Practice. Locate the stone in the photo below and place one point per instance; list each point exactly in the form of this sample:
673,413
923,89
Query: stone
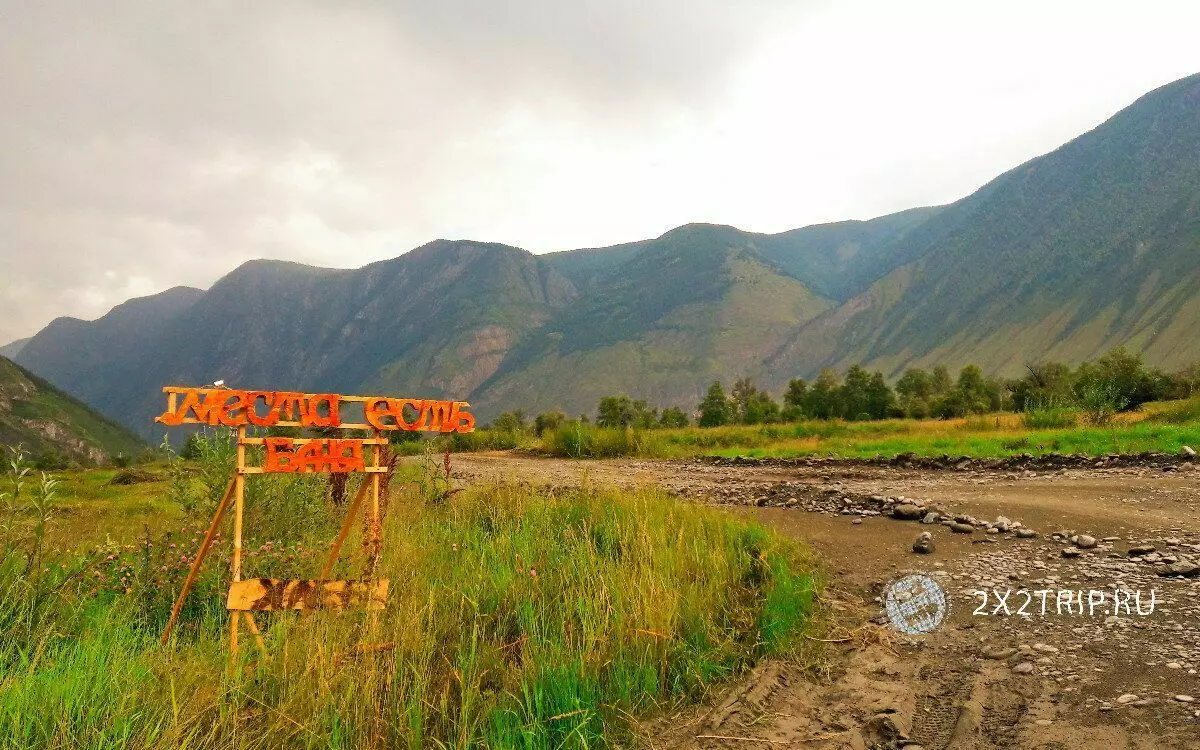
906,512
1083,541
1000,654
932,517
1128,698
1026,533
1180,568
923,544
1141,549
1071,552
962,528
1185,698
1023,668
1045,648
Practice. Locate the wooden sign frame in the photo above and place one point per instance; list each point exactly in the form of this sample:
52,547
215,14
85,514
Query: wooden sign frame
234,408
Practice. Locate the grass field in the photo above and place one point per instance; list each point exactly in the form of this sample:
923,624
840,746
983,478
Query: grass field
517,618
1164,427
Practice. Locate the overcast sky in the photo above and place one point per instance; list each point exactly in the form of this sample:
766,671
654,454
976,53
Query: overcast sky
145,145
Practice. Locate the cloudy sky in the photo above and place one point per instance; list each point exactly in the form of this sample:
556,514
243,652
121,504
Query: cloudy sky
145,145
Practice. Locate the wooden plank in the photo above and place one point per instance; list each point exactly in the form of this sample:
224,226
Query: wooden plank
367,470
287,423
239,493
274,594
198,560
305,441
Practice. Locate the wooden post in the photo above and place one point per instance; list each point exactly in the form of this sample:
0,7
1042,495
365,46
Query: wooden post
376,522
258,639
239,492
198,560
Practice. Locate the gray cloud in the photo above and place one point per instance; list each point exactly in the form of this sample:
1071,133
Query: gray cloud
146,144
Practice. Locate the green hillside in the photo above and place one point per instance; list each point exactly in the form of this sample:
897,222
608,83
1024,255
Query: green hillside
1094,245
695,304
44,420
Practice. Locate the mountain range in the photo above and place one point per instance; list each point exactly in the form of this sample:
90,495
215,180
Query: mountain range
1093,245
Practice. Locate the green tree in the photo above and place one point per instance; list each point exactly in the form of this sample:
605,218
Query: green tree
622,411
822,401
794,400
762,409
673,417
974,390
547,421
880,398
741,398
940,382
510,421
855,393
914,389
714,409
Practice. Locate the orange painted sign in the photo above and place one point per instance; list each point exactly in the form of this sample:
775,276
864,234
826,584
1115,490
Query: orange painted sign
327,455
239,408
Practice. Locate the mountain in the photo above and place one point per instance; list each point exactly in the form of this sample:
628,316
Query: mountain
698,303
12,348
1093,245
435,321
43,419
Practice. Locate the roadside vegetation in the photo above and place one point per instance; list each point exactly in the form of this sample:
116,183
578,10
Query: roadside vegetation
1113,405
516,618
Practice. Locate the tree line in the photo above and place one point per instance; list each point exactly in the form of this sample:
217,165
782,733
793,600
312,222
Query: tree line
1117,381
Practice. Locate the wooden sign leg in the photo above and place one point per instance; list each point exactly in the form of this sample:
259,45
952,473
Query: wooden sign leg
239,492
258,639
198,560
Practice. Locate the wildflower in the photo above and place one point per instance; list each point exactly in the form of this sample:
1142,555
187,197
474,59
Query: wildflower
533,572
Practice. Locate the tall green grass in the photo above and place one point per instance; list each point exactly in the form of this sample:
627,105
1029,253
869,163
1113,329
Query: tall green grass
516,618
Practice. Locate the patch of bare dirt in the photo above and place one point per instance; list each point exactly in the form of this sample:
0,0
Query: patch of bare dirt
989,677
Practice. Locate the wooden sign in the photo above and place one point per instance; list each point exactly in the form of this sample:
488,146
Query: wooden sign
274,594
227,407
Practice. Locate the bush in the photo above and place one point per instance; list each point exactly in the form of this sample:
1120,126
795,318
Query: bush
133,476
1050,417
578,440
1100,401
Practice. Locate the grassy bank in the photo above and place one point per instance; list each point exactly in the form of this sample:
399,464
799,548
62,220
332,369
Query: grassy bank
1163,427
517,618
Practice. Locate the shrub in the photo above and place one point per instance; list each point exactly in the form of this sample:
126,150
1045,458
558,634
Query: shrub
1050,416
1099,402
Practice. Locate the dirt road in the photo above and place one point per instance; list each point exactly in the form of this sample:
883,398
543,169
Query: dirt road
1078,673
